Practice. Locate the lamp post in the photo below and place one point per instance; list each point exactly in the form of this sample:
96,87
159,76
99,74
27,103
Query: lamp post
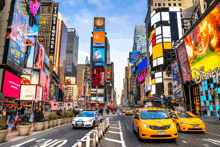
161,100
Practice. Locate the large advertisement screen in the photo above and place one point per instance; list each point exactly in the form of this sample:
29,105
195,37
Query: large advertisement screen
176,77
203,45
39,57
43,77
63,53
29,52
184,63
99,22
35,77
109,73
46,90
12,85
98,38
98,77
34,7
98,57
28,92
70,80
17,33
142,70
133,56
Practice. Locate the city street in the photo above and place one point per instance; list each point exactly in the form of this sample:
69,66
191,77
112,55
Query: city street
189,139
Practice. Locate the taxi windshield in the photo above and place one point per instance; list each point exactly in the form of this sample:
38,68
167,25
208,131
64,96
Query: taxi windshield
128,109
184,115
154,114
87,114
167,111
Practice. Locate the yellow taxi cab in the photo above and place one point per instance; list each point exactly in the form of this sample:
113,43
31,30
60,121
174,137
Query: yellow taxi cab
168,110
153,123
128,111
186,121
124,109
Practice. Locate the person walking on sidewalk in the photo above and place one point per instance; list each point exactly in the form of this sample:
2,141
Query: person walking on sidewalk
219,113
205,113
200,113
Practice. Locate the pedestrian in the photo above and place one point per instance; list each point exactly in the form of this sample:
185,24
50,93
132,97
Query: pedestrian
22,110
200,113
101,111
205,113
219,113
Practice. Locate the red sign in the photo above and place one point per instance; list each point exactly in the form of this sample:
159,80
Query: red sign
98,77
12,85
184,63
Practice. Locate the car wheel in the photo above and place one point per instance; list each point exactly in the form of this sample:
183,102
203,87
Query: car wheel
73,128
178,127
93,126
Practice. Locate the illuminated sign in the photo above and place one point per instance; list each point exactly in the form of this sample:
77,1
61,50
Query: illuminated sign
176,77
99,37
98,30
133,56
98,57
98,77
99,22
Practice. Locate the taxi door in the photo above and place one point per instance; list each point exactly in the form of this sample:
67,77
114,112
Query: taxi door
174,117
136,120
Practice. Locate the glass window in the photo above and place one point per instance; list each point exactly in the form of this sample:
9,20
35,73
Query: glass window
159,4
163,4
155,4
180,5
154,114
170,89
169,4
184,115
48,10
174,4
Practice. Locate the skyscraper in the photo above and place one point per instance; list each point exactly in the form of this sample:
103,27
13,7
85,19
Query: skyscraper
139,37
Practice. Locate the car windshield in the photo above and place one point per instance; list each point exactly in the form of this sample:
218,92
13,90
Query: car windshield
154,114
167,111
128,109
184,115
87,114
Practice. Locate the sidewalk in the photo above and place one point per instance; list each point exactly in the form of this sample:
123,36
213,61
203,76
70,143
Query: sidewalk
210,119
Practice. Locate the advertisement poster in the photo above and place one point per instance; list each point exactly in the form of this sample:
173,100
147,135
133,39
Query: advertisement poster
133,56
70,80
12,85
99,37
46,59
25,79
34,7
29,52
203,44
46,90
17,33
98,77
35,77
63,53
176,77
39,57
28,92
142,70
99,22
42,79
184,63
109,73
98,56
39,93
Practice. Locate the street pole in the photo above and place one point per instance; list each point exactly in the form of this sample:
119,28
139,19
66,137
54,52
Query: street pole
32,104
161,101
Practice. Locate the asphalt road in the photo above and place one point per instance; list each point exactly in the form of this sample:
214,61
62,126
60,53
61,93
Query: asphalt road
63,136
122,124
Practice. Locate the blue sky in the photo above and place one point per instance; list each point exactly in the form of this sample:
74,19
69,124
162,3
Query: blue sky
121,16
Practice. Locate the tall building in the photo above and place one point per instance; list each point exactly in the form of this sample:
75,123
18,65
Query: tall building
139,37
108,50
72,53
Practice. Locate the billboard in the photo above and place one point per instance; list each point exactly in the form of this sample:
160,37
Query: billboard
70,80
142,70
109,73
53,29
43,77
46,59
34,7
46,90
184,63
29,52
98,56
176,77
39,57
98,77
17,33
133,68
99,37
63,53
99,22
25,79
203,45
133,56
35,77
28,92
12,85
39,93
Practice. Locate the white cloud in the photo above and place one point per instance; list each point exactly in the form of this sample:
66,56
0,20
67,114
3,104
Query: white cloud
82,57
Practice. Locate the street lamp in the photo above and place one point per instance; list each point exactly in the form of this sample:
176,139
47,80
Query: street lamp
161,100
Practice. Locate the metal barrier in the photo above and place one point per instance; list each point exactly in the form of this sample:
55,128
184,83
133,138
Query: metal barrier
79,143
87,140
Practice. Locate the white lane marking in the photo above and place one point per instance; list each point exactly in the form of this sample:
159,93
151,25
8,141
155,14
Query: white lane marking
213,133
18,145
56,143
64,142
218,141
114,132
75,145
113,140
128,126
114,128
211,140
206,145
121,134
184,141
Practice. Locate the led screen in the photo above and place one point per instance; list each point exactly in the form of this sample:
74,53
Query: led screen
70,80
99,37
35,77
203,45
17,33
28,92
29,52
109,73
99,22
133,56
39,57
34,7
176,77
98,77
12,85
142,70
133,69
98,56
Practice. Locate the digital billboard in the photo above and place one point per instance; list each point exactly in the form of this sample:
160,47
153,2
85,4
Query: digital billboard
133,68
46,59
98,56
28,92
25,79
43,77
184,63
99,37
63,53
12,85
70,80
35,77
99,22
17,33
133,56
29,52
46,90
39,57
142,70
98,77
176,77
203,45
34,7
109,73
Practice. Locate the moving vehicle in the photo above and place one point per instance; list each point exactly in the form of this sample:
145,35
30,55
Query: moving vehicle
186,121
123,110
168,110
128,111
151,123
87,119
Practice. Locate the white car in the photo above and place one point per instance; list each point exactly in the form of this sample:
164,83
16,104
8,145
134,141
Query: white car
86,119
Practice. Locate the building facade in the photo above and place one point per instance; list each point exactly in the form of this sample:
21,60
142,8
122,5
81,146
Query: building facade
139,37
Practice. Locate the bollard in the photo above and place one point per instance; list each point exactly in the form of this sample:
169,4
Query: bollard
79,143
94,139
103,129
87,140
99,131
